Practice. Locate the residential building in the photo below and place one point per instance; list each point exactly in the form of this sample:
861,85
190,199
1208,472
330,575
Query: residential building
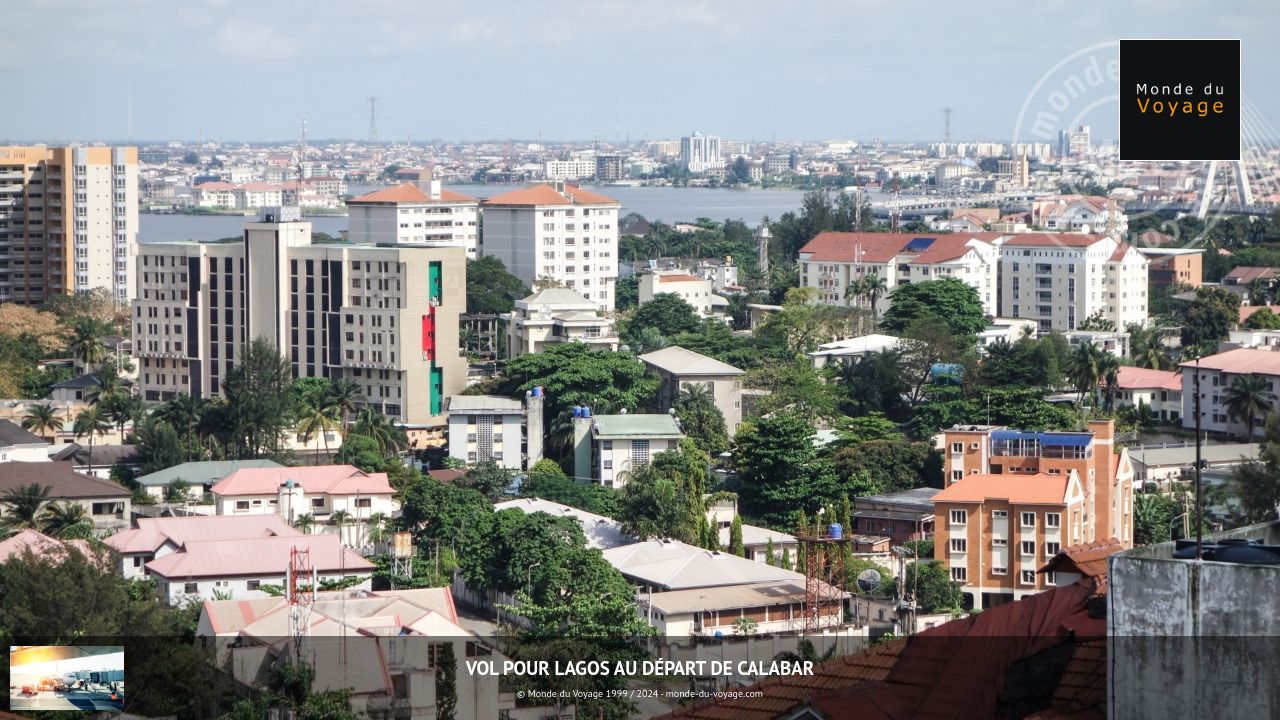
556,315
68,221
1167,267
1009,330
1216,373
19,445
834,261
409,215
607,447
1079,214
1106,475
104,459
201,475
1165,464
488,427
1159,391
852,349
556,232
602,533
1244,275
106,502
237,569
723,274
996,531
700,153
577,168
1075,143
385,318
679,369
81,388
1017,170
383,647
1064,278
695,290
157,537
902,516
756,542
1111,342
42,546
319,491
609,168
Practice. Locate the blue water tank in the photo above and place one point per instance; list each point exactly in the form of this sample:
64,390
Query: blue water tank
577,411
537,391
586,411
835,531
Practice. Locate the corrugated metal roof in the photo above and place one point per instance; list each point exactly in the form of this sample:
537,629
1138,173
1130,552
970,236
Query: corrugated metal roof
639,425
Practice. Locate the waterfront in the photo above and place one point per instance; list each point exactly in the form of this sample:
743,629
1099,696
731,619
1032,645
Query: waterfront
669,204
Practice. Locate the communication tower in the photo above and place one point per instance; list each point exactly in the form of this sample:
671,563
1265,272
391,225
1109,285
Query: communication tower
823,549
301,590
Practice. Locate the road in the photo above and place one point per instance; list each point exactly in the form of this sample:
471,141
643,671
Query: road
71,700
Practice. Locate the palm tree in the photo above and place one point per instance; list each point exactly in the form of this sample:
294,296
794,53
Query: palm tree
340,518
183,412
370,421
873,286
376,528
317,420
42,419
1087,368
1111,376
121,408
304,523
806,652
108,383
66,520
345,397
86,344
1148,348
1248,396
24,503
91,421
855,289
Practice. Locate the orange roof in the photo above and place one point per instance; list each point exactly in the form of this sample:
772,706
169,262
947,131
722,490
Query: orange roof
1053,240
1038,489
883,247
1088,559
544,194
1121,250
1247,311
1133,378
1241,361
409,193
678,278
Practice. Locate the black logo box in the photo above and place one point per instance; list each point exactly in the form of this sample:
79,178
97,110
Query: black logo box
1187,69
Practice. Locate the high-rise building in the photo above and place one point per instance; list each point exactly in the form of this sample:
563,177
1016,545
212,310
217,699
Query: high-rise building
385,318
68,221
413,215
700,152
556,232
1075,143
608,168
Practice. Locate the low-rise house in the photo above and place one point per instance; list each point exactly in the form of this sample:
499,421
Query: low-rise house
852,349
156,537
756,542
606,447
200,475
1216,373
81,387
679,369
237,569
106,502
602,532
385,647
695,290
1113,342
102,460
41,546
19,445
901,516
318,491
488,427
556,315
1160,391
1164,465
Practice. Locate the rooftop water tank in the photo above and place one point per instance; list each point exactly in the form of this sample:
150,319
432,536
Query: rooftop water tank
835,531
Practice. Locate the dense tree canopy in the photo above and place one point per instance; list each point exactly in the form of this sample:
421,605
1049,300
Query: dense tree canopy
491,289
780,470
667,314
950,299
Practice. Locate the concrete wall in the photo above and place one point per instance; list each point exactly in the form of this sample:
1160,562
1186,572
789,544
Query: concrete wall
1193,639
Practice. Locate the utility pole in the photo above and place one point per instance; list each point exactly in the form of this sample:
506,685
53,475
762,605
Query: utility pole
1199,499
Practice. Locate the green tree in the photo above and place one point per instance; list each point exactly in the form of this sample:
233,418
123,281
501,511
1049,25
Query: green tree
927,342
1262,319
1248,397
329,705
91,422
875,383
66,520
626,293
735,537
1153,517
345,398
1257,484
488,478
259,394
700,419
372,422
432,510
42,419
949,299
932,587
182,412
802,324
491,289
889,466
159,445
304,523
177,490
361,451
806,652
1098,322
795,386
87,345
663,499
446,683
1148,347
779,470
1209,319
667,313
547,481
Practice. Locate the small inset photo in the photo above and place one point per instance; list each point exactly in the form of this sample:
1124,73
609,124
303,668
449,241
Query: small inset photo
66,677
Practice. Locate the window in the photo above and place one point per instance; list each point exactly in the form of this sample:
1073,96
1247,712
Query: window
317,502
1028,547
959,545
242,505
254,584
191,588
1051,549
959,517
137,561
608,464
606,444
1028,519
959,574
364,502
1053,520
999,571
999,514
999,542
957,475
957,447
1028,577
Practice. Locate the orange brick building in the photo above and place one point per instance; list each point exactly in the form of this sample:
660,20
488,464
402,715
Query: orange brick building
1014,498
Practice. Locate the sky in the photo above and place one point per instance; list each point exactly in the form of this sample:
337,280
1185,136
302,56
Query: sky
85,70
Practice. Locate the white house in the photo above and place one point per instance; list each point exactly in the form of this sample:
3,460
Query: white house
697,291
318,490
1159,390
556,315
20,445
156,537
606,447
1216,373
488,427
850,350
107,503
408,215
199,475
680,368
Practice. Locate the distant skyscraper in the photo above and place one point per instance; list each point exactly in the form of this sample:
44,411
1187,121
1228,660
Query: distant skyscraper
68,221
608,168
1075,143
699,153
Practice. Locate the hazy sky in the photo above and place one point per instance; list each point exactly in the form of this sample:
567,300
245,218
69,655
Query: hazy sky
569,69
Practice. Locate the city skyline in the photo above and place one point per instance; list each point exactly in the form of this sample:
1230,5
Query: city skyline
609,71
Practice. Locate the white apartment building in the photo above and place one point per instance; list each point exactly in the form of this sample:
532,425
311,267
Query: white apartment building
607,447
407,215
694,290
1160,391
556,315
1061,279
383,317
501,429
556,232
68,221
578,168
699,153
1216,374
832,261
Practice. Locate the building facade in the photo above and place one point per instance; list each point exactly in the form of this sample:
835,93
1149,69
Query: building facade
556,232
680,369
501,429
408,215
1062,279
385,318
699,153
696,291
68,221
556,315
607,447
1216,373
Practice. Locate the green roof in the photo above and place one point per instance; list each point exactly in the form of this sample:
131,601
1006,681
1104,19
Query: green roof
619,426
200,473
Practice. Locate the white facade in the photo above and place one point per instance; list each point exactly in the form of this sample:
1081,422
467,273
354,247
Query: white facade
556,315
694,290
1060,280
679,369
572,169
407,215
607,447
556,233
487,427
699,153
1216,373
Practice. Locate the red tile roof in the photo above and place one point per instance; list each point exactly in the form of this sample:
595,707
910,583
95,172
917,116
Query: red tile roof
1087,559
1136,378
1241,361
1121,250
1244,274
544,194
409,193
1037,489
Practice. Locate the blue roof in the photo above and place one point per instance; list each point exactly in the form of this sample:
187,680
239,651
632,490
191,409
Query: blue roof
1045,438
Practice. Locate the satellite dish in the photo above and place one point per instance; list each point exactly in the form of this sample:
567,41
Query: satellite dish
869,579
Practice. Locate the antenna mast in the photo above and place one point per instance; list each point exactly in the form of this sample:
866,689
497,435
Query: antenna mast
373,119
301,597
